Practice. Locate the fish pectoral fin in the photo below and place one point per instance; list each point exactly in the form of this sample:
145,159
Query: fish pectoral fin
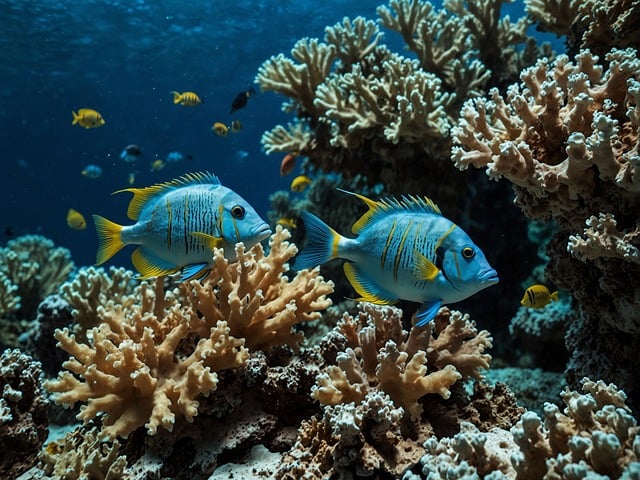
195,271
424,268
150,266
209,241
427,312
368,291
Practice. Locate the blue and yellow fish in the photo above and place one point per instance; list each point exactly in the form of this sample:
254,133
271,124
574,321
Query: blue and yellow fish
178,224
405,249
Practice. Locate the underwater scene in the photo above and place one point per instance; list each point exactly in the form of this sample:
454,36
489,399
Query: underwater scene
320,240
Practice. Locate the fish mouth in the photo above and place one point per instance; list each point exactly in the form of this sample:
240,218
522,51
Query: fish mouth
489,277
262,232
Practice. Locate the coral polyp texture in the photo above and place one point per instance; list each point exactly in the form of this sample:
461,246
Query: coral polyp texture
155,354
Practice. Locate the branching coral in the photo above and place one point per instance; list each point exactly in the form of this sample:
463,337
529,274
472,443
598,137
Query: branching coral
376,113
155,354
81,454
404,366
597,25
259,303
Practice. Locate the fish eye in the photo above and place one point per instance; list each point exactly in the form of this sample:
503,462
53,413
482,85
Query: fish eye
468,252
237,212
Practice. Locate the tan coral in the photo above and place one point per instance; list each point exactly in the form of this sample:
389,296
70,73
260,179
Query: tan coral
134,370
259,302
406,366
601,239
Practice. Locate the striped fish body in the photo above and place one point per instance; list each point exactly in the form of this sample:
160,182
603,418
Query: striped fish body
404,249
178,225
390,251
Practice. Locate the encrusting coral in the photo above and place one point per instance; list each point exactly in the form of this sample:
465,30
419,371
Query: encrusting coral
154,355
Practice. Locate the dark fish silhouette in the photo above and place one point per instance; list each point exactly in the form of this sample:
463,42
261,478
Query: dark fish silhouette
241,100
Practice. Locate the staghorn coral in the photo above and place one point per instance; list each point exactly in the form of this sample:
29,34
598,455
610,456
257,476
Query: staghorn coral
23,413
153,354
603,240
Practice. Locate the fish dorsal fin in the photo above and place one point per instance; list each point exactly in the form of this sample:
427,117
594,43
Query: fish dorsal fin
386,206
141,196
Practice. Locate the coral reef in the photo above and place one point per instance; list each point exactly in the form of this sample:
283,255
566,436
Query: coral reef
567,139
597,25
23,413
156,354
82,454
374,418
363,109
32,267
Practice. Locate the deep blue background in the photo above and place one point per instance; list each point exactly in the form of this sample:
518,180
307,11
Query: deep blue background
123,58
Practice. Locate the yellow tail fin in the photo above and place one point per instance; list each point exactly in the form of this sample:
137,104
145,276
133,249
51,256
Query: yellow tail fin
554,296
109,238
176,97
76,117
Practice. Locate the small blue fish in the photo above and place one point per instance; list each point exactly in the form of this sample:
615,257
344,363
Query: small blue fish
405,249
178,224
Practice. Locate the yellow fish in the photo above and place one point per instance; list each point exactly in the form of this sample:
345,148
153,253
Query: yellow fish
186,99
75,220
236,126
220,129
538,296
157,165
87,118
300,183
289,223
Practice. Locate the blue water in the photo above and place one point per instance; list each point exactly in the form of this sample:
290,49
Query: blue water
123,58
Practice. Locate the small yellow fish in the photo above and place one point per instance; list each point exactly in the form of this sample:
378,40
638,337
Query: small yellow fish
538,296
286,222
300,183
220,129
131,178
75,220
236,126
87,118
186,99
157,165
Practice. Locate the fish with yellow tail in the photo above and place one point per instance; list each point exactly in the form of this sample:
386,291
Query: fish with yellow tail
186,99
538,296
404,249
178,224
87,118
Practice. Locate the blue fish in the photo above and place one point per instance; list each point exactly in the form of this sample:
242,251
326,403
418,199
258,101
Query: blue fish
404,249
178,225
